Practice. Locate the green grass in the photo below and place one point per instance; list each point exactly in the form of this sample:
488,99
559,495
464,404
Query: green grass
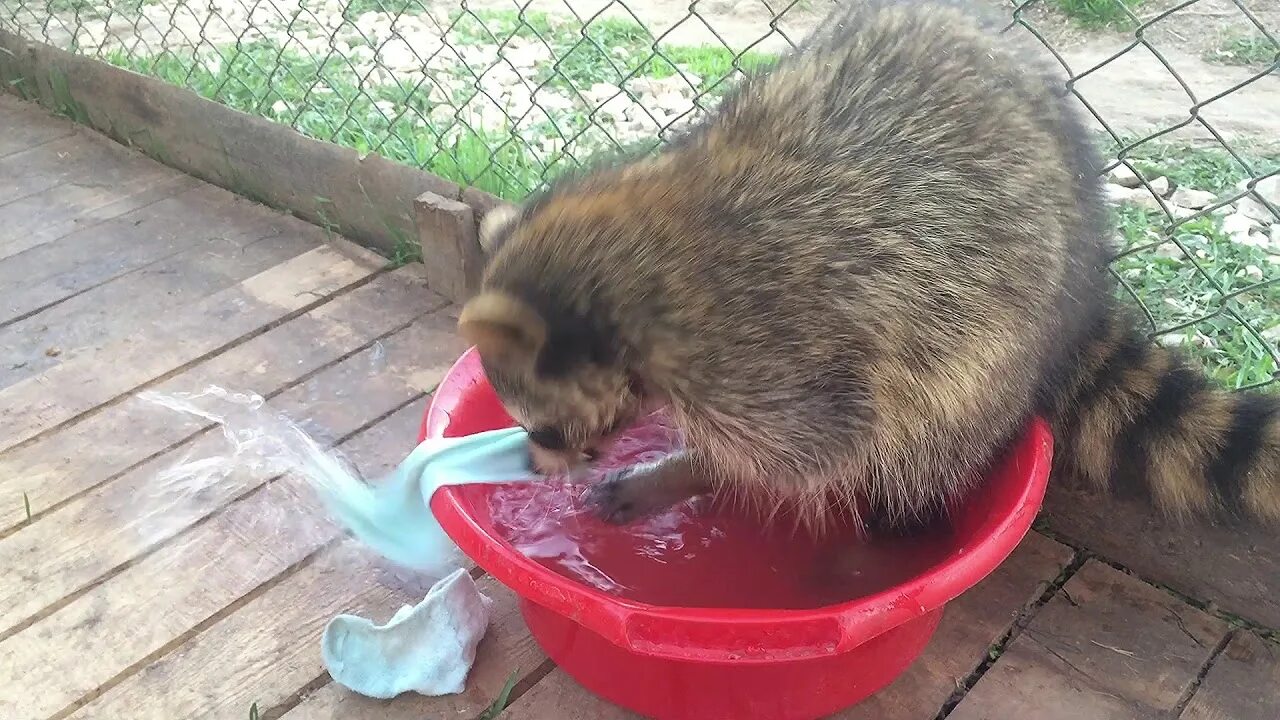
1210,169
1170,286
1098,13
1175,291
1252,51
26,505
356,8
500,703
322,99
608,50
98,8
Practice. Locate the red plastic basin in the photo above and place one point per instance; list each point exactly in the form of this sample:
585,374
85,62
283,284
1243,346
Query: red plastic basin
674,663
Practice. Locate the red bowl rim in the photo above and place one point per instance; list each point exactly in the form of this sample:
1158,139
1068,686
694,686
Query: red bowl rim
849,624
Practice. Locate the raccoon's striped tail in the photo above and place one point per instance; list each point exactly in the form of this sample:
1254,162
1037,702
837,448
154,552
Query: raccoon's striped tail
1134,417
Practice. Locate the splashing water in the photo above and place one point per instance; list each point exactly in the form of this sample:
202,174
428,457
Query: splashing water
546,521
697,554
263,444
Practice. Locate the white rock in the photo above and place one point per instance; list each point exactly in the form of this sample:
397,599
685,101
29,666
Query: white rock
600,92
1124,177
1194,199
1140,197
554,101
673,103
527,56
399,56
280,107
1269,188
1160,185
618,107
1272,334
1256,210
1275,236
691,78
1237,223
1253,271
1250,239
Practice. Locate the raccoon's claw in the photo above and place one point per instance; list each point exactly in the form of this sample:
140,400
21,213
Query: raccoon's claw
614,498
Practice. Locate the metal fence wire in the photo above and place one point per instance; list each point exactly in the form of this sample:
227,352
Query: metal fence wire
506,94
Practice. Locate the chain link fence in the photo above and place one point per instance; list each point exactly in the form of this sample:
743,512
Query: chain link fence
504,95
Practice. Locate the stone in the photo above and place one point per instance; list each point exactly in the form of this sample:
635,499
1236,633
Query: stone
527,56
1256,210
1194,199
1160,185
1124,176
1269,188
673,103
1140,196
1238,223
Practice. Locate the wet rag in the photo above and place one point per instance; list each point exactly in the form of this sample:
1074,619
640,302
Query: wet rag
427,648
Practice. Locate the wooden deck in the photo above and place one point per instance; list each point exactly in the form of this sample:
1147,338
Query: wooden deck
119,603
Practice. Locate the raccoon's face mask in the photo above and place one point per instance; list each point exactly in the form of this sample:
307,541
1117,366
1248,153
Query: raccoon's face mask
570,408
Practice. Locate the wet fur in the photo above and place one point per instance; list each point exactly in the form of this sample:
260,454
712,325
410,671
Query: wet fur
859,279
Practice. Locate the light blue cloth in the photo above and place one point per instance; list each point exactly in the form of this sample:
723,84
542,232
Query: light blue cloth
394,516
427,648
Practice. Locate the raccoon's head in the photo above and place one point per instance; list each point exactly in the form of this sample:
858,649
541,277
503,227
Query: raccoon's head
570,400
559,374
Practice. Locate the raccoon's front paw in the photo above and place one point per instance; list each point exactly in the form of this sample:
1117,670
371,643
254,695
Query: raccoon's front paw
619,497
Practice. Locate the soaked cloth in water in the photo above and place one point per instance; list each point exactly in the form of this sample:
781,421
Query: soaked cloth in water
427,648
394,516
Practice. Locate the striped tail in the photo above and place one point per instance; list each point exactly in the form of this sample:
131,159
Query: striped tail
1137,418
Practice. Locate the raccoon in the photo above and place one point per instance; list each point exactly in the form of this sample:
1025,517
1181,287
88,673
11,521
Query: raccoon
852,286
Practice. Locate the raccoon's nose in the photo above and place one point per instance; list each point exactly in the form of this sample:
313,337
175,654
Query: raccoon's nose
591,454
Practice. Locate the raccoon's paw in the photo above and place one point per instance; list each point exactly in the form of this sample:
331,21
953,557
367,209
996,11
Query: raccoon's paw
620,497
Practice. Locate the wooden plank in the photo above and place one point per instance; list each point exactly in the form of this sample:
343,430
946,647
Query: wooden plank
506,649
364,196
125,304
1108,646
558,697
40,403
137,615
970,625
92,451
1243,684
268,650
450,247
59,211
203,217
27,125
1237,568
77,545
79,157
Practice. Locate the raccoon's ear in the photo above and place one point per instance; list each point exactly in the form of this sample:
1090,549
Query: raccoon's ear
503,328
494,223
